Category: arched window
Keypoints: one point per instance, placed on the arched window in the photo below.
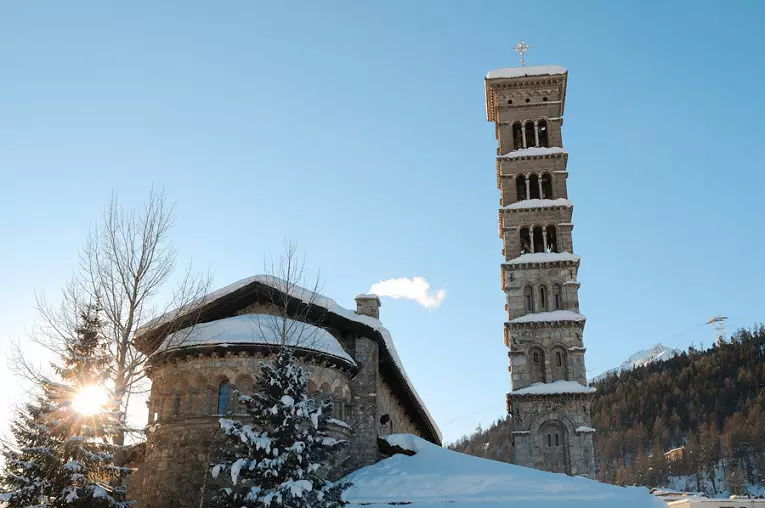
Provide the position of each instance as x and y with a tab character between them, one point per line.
559	367
538	366
547	192
520	187
517	136
539	243
176	404
525	241
543	298
529	299
549	439
552	240
557	439
542	130
557	297
534	186
224	394
530	138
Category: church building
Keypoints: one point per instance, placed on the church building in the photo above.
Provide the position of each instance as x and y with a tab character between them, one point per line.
198	358
550	400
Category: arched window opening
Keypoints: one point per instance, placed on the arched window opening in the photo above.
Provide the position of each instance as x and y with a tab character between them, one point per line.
224	394
557	439
546	184
552	240
176	404
538	367
557	297
530	137
542	130
559	369
549	439
525	241
534	187
529	299
543	298
517	136
539	243
520	188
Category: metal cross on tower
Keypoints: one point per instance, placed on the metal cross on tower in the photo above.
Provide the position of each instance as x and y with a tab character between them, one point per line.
522	48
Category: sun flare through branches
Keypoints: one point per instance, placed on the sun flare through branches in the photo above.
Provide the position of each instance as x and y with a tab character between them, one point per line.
90	400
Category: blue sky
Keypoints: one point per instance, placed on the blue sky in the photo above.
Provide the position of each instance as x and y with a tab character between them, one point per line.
358	129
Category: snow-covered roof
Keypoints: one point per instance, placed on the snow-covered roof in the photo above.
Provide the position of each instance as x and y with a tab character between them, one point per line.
436	477
556	315
542	257
584	428
553	388
519	72
256	329
532	152
308	296
538	203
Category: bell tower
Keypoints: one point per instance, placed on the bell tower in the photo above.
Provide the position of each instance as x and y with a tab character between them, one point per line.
550	400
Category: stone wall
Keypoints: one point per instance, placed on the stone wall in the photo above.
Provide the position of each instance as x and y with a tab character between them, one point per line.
183	404
389	404
532	419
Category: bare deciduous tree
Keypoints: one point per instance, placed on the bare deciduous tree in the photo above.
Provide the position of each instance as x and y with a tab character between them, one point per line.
127	261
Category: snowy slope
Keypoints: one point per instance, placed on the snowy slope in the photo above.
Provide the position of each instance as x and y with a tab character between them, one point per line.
436	477
643	357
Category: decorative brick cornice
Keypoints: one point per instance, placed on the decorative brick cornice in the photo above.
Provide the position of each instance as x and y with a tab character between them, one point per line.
545	324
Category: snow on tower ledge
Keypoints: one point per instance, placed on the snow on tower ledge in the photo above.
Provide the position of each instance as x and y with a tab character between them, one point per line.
543	257
534	151
554	388
520	72
556	315
538	203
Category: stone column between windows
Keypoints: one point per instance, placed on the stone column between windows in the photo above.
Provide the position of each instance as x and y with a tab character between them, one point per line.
536	134
523	134
539	181
531	239
528	187
544	239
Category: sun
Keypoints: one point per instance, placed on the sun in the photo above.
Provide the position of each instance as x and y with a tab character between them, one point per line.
90	400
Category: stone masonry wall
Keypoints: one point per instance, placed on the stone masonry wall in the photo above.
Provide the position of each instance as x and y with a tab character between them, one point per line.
388	403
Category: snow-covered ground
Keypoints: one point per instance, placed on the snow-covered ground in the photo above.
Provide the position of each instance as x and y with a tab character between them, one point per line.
436	477
643	357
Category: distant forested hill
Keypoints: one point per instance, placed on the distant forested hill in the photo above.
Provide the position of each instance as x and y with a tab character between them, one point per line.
710	402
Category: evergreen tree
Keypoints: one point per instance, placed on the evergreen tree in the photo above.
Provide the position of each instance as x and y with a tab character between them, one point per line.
62	456
278	454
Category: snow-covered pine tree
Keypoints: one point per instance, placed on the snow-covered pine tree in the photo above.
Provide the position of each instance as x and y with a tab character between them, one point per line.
278	454
64	453
29	458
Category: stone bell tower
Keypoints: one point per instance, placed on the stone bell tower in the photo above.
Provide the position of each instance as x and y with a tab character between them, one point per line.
549	401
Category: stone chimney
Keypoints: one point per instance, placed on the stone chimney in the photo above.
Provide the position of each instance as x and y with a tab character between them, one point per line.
368	305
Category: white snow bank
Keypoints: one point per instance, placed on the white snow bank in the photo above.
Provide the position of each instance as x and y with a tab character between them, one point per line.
538	203
519	72
436	477
584	428
255	329
556	315
315	299
554	388
533	151
542	257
